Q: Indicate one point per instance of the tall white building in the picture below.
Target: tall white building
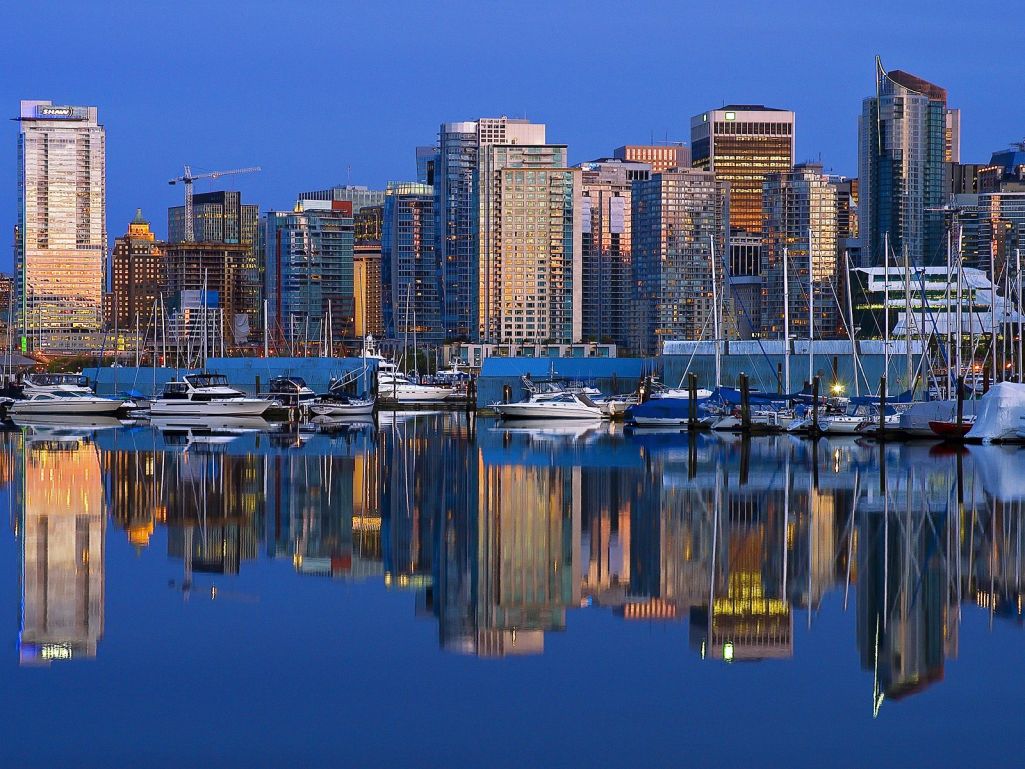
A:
(62, 231)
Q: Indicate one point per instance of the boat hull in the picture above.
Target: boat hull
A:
(415, 394)
(70, 408)
(545, 412)
(358, 408)
(229, 407)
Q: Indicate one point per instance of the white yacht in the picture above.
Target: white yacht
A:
(206, 395)
(397, 387)
(59, 394)
(545, 406)
(393, 385)
(338, 404)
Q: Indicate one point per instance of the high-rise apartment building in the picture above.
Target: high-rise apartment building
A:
(661, 157)
(607, 308)
(308, 270)
(457, 190)
(202, 297)
(135, 273)
(801, 226)
(366, 283)
(742, 144)
(60, 260)
(906, 135)
(679, 220)
(410, 272)
(530, 243)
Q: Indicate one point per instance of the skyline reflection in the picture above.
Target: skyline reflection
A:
(502, 534)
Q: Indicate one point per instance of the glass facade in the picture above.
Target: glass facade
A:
(676, 217)
(459, 199)
(410, 271)
(60, 262)
(992, 224)
(457, 228)
(530, 245)
(606, 264)
(905, 139)
(742, 144)
(308, 266)
(801, 217)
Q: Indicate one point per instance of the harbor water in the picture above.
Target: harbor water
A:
(434, 590)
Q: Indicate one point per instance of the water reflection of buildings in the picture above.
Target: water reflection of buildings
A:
(61, 506)
(499, 534)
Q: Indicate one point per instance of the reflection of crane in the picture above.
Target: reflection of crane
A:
(188, 178)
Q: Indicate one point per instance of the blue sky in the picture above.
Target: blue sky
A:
(324, 92)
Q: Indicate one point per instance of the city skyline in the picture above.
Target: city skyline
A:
(368, 136)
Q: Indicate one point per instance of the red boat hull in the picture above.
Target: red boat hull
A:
(950, 429)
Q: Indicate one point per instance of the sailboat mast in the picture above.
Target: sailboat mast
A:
(850, 313)
(715, 313)
(886, 306)
(1017, 310)
(811, 310)
(786, 322)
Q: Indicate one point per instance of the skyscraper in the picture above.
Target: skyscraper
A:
(607, 308)
(222, 218)
(217, 217)
(456, 176)
(742, 144)
(308, 270)
(135, 273)
(410, 273)
(677, 217)
(61, 249)
(800, 217)
(906, 134)
(530, 281)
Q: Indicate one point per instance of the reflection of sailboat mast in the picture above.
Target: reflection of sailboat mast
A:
(850, 535)
(786, 519)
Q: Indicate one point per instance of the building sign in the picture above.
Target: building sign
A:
(53, 112)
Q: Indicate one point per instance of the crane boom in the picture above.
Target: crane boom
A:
(188, 178)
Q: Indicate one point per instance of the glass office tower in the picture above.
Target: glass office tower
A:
(742, 144)
(62, 225)
(410, 272)
(800, 217)
(456, 180)
(308, 268)
(677, 217)
(906, 134)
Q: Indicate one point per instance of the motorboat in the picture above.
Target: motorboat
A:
(559, 405)
(402, 388)
(291, 391)
(615, 406)
(63, 402)
(954, 430)
(206, 395)
(339, 404)
(397, 387)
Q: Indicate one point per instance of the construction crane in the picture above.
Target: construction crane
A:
(188, 178)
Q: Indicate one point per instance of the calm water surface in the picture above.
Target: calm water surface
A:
(434, 591)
